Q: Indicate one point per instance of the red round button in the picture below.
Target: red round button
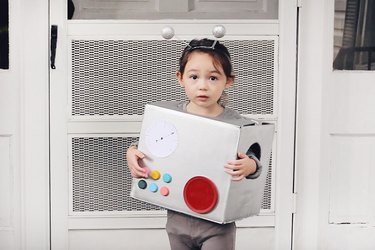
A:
(200, 194)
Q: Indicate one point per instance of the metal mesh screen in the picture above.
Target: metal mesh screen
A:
(100, 176)
(101, 179)
(267, 195)
(118, 77)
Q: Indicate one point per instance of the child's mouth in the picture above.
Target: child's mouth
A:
(202, 97)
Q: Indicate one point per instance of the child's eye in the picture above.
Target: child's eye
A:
(194, 77)
(213, 78)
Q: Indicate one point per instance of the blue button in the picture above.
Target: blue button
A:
(167, 178)
(154, 188)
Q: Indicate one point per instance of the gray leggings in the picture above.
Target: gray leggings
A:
(186, 233)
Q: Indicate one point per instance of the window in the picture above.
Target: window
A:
(354, 36)
(172, 9)
(4, 34)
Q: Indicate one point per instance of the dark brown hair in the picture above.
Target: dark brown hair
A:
(214, 48)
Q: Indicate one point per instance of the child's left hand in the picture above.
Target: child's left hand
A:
(241, 167)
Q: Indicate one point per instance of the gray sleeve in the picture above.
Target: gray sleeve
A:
(258, 170)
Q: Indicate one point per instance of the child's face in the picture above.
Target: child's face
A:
(203, 82)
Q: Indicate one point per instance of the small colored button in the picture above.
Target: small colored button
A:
(154, 188)
(155, 175)
(167, 178)
(142, 184)
(164, 191)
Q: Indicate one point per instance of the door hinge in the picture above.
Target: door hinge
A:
(294, 203)
(53, 45)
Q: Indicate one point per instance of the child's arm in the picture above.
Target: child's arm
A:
(133, 156)
(243, 167)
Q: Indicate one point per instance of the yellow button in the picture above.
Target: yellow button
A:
(155, 175)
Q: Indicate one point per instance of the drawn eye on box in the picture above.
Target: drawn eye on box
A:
(161, 138)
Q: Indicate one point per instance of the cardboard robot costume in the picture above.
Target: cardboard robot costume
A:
(185, 161)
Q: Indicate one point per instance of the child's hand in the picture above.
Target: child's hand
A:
(241, 167)
(133, 156)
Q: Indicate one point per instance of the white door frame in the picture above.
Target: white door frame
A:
(34, 157)
(285, 159)
(287, 112)
(35, 124)
(28, 75)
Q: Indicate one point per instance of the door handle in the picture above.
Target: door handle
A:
(53, 45)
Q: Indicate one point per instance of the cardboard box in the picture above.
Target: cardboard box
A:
(186, 155)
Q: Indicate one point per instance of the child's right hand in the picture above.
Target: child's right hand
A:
(133, 156)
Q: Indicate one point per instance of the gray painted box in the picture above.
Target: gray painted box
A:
(186, 155)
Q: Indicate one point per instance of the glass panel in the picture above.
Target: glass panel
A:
(354, 35)
(4, 34)
(172, 9)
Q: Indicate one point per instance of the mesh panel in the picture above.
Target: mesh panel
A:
(100, 176)
(117, 77)
(253, 62)
(101, 179)
(267, 195)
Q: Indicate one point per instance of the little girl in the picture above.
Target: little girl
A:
(205, 71)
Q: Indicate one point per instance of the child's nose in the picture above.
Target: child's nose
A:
(203, 84)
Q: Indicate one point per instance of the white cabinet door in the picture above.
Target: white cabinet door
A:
(336, 143)
(10, 118)
(9, 163)
(24, 205)
(106, 71)
(350, 151)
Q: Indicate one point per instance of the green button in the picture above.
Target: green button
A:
(142, 184)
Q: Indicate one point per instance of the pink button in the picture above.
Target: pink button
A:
(164, 191)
